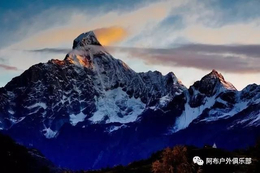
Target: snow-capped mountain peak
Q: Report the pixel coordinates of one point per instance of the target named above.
(213, 83)
(213, 77)
(216, 75)
(86, 48)
(87, 38)
(88, 86)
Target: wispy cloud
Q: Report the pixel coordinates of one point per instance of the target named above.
(6, 67)
(234, 33)
(50, 50)
(246, 50)
(227, 58)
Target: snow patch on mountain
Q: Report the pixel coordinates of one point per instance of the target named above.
(75, 119)
(191, 113)
(15, 120)
(116, 106)
(10, 111)
(115, 128)
(49, 133)
(252, 119)
(255, 121)
(217, 114)
(165, 100)
(39, 104)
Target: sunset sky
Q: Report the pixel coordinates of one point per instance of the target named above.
(187, 37)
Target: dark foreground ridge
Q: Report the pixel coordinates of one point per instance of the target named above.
(16, 158)
(179, 159)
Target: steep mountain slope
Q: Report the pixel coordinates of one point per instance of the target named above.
(93, 108)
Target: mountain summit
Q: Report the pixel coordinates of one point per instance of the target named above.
(86, 47)
(213, 83)
(84, 39)
(94, 108)
(219, 78)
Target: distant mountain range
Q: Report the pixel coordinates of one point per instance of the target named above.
(91, 110)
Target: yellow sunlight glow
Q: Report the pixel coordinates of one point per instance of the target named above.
(111, 35)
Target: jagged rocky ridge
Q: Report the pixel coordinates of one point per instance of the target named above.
(95, 108)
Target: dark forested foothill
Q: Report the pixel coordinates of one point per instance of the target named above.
(17, 158)
(179, 160)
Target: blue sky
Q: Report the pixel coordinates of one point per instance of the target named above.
(15, 13)
(165, 24)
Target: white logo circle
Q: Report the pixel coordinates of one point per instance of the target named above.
(198, 160)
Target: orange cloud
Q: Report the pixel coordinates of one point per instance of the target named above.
(58, 36)
(111, 35)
